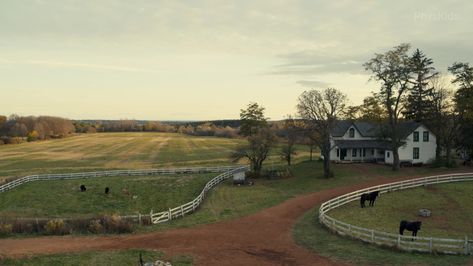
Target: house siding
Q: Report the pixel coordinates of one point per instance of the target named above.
(426, 148)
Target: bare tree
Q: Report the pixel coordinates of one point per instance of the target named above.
(394, 70)
(291, 132)
(320, 110)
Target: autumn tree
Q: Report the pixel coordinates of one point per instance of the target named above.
(444, 120)
(393, 70)
(319, 111)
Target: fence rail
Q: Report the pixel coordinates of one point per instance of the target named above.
(421, 244)
(155, 217)
(140, 172)
(191, 206)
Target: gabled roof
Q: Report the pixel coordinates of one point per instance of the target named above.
(372, 130)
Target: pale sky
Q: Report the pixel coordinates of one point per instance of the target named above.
(198, 60)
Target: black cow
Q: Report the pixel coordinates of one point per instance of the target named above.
(83, 188)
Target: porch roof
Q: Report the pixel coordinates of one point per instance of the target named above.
(357, 144)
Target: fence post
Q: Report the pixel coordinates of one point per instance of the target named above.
(466, 245)
(139, 218)
(169, 215)
(399, 241)
(430, 245)
(151, 216)
(372, 235)
(182, 210)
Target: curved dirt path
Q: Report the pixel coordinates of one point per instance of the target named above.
(264, 238)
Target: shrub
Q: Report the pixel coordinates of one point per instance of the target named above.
(95, 227)
(32, 136)
(5, 229)
(115, 224)
(55, 227)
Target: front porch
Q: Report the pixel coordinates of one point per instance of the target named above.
(348, 151)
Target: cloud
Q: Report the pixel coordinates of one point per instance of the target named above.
(59, 64)
(313, 83)
(307, 63)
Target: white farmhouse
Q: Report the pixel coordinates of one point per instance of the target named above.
(360, 142)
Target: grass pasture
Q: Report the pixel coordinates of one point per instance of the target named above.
(309, 233)
(451, 205)
(115, 258)
(62, 198)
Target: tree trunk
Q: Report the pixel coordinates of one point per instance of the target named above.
(327, 173)
(311, 148)
(326, 153)
(449, 155)
(395, 159)
(438, 150)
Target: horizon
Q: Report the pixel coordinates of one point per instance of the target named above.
(170, 61)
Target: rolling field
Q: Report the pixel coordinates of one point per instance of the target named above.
(144, 194)
(101, 151)
(451, 206)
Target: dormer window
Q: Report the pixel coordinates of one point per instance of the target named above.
(351, 133)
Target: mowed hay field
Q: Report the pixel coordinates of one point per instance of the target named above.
(89, 152)
(102, 151)
(451, 206)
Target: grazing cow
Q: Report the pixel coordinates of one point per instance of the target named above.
(83, 188)
(371, 197)
(107, 190)
(410, 226)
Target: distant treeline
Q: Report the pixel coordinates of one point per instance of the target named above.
(190, 128)
(17, 129)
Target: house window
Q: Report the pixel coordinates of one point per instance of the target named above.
(388, 154)
(426, 136)
(364, 152)
(353, 153)
(372, 152)
(415, 153)
(416, 136)
(351, 133)
(338, 153)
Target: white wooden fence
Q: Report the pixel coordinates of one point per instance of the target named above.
(190, 206)
(156, 217)
(139, 172)
(422, 244)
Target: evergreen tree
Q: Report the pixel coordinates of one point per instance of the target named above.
(419, 105)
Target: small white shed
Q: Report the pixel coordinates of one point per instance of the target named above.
(239, 178)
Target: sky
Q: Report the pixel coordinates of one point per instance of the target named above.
(206, 60)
